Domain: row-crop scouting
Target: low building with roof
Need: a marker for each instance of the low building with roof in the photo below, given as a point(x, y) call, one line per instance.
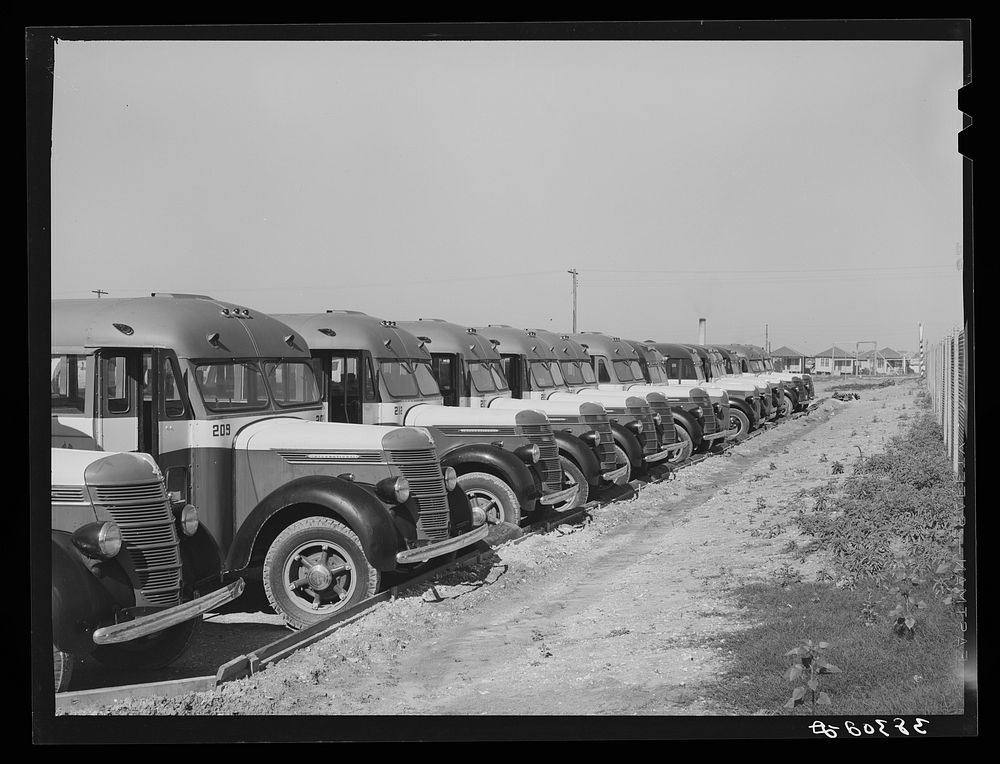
point(836, 361)
point(790, 360)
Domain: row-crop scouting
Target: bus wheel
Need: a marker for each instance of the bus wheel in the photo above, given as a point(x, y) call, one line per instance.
point(494, 497)
point(573, 476)
point(62, 666)
point(315, 567)
point(740, 421)
point(787, 405)
point(684, 453)
point(152, 652)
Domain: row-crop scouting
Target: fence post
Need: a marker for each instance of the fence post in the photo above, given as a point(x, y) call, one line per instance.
point(956, 416)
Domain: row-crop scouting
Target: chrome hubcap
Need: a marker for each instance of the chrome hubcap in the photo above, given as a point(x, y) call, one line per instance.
point(487, 502)
point(318, 575)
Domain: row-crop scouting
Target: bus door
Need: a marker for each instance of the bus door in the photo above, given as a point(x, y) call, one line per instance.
point(119, 401)
point(348, 382)
point(516, 372)
point(445, 368)
point(72, 384)
point(163, 414)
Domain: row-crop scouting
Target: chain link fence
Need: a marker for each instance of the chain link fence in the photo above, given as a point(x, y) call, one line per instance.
point(945, 365)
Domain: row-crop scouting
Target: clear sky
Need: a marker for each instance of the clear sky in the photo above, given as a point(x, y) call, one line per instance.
point(811, 186)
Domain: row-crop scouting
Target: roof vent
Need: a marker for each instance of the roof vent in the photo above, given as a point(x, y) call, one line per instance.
point(495, 343)
point(290, 340)
point(424, 339)
point(531, 333)
point(387, 343)
point(213, 339)
point(125, 329)
point(471, 330)
point(327, 331)
point(224, 311)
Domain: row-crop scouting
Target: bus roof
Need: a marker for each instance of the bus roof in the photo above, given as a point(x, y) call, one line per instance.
point(597, 343)
point(353, 330)
point(675, 350)
point(647, 350)
point(526, 342)
point(564, 346)
point(193, 326)
point(445, 337)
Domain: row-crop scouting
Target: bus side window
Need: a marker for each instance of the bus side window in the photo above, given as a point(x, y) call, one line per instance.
point(69, 384)
point(116, 386)
point(170, 390)
point(444, 371)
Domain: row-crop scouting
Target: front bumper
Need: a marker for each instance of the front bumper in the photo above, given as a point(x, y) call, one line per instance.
point(659, 456)
point(164, 619)
point(616, 476)
point(566, 494)
point(430, 551)
point(715, 435)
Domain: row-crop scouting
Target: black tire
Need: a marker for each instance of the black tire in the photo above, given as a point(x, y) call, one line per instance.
point(153, 652)
point(315, 568)
point(787, 405)
point(62, 667)
point(739, 420)
point(494, 497)
point(682, 454)
point(621, 458)
point(573, 475)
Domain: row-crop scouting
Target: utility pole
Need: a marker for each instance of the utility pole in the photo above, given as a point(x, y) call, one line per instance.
point(767, 343)
point(575, 274)
point(98, 292)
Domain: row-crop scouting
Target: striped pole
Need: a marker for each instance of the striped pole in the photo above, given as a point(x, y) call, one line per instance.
point(920, 327)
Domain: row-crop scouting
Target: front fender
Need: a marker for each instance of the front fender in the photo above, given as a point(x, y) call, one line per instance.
point(485, 457)
point(581, 454)
point(738, 403)
point(629, 443)
point(360, 510)
point(79, 602)
point(689, 422)
point(202, 559)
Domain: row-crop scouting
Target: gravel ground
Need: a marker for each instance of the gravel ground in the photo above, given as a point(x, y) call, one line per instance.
point(626, 614)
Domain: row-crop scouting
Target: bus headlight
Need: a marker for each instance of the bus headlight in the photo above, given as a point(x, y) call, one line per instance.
point(529, 454)
point(98, 540)
point(450, 478)
point(657, 418)
point(188, 520)
point(635, 426)
point(393, 489)
point(698, 412)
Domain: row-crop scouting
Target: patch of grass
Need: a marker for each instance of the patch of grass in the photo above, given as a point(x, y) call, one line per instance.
point(881, 674)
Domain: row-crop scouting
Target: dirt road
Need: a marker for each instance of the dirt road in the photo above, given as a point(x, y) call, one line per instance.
point(627, 614)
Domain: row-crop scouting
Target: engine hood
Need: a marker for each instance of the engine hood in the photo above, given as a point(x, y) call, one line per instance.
point(73, 466)
point(613, 398)
point(431, 415)
point(275, 434)
point(554, 407)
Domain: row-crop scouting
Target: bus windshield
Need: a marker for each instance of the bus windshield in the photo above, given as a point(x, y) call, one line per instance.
point(578, 373)
point(231, 385)
point(292, 383)
point(657, 374)
point(484, 378)
point(406, 379)
point(756, 365)
point(425, 378)
point(628, 371)
point(541, 377)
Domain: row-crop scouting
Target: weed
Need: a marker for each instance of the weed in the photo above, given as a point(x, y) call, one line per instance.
point(836, 468)
point(809, 664)
point(761, 504)
point(875, 419)
point(789, 547)
point(903, 582)
point(773, 466)
point(822, 458)
point(786, 575)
